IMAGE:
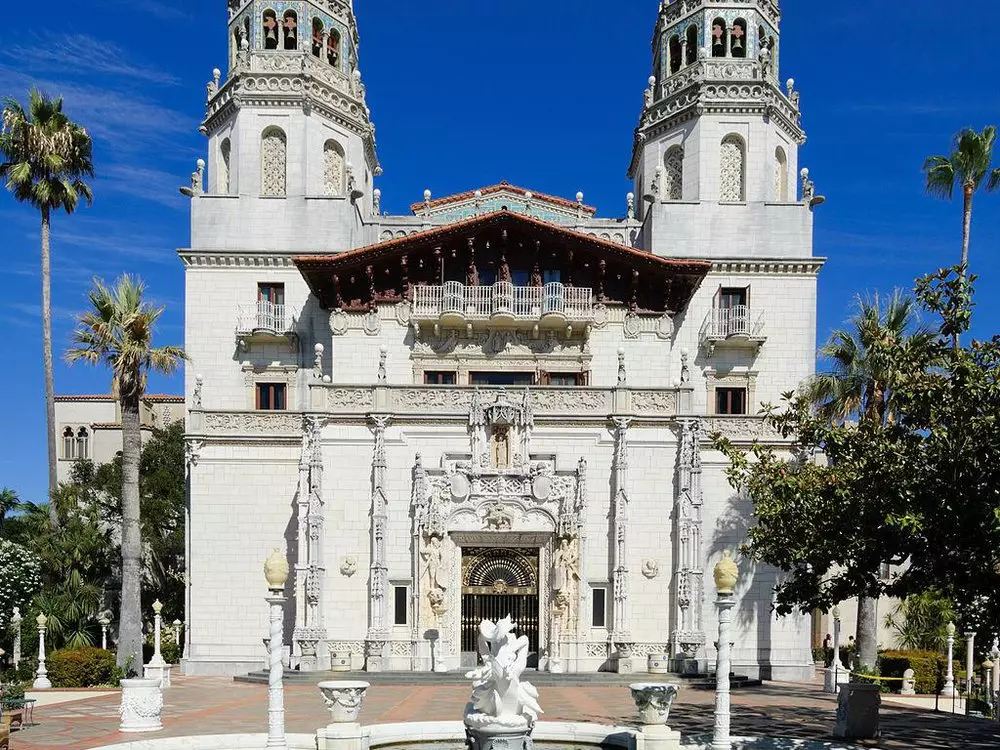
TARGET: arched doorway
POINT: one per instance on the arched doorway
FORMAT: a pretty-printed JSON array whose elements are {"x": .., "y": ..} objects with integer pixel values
[{"x": 497, "y": 582}]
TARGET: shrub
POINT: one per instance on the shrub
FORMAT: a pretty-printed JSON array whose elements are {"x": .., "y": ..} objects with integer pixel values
[
  {"x": 929, "y": 669},
  {"x": 171, "y": 652},
  {"x": 12, "y": 691},
  {"x": 79, "y": 668}
]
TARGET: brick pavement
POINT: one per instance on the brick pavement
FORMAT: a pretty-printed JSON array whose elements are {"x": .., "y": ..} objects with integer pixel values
[{"x": 219, "y": 706}]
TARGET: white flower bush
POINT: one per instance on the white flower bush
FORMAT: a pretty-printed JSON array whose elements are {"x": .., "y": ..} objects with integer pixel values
[{"x": 20, "y": 580}]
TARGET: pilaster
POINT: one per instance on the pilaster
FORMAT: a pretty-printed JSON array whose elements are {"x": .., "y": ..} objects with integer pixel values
[
  {"x": 620, "y": 629},
  {"x": 378, "y": 633},
  {"x": 688, "y": 636}
]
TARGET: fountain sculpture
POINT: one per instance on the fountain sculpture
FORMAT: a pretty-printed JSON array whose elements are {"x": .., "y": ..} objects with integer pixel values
[{"x": 503, "y": 709}]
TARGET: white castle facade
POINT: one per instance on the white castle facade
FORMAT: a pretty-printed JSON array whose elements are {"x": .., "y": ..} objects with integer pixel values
[{"x": 501, "y": 403}]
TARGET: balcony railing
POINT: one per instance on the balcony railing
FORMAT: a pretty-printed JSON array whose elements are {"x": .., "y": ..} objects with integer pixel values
[
  {"x": 263, "y": 317},
  {"x": 503, "y": 300},
  {"x": 737, "y": 324}
]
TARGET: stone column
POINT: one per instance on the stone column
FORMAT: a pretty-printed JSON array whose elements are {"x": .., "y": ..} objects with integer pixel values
[
  {"x": 15, "y": 622},
  {"x": 688, "y": 635},
  {"x": 995, "y": 655},
  {"x": 726, "y": 577},
  {"x": 41, "y": 676},
  {"x": 970, "y": 661},
  {"x": 157, "y": 669},
  {"x": 620, "y": 625},
  {"x": 378, "y": 633},
  {"x": 276, "y": 572},
  {"x": 949, "y": 681}
]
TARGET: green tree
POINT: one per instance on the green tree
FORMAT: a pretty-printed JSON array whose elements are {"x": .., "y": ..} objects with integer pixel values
[
  {"x": 968, "y": 167},
  {"x": 9, "y": 501},
  {"x": 860, "y": 385},
  {"x": 921, "y": 620},
  {"x": 118, "y": 333},
  {"x": 46, "y": 158}
]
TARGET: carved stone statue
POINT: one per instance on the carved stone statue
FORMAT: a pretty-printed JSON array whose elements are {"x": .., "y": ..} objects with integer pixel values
[
  {"x": 500, "y": 700},
  {"x": 565, "y": 565},
  {"x": 433, "y": 556}
]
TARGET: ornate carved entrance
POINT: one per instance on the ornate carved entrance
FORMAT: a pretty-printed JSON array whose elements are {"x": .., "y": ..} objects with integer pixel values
[{"x": 497, "y": 582}]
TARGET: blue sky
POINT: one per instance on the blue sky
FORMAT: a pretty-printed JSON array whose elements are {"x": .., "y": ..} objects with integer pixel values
[{"x": 542, "y": 94}]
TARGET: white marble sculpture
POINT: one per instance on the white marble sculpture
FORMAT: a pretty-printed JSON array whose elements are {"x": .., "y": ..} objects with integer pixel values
[{"x": 500, "y": 699}]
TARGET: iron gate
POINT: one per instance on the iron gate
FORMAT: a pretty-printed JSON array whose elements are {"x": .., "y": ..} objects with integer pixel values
[{"x": 497, "y": 582}]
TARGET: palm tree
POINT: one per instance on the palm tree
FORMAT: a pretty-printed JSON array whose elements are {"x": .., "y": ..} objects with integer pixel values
[
  {"x": 8, "y": 501},
  {"x": 968, "y": 167},
  {"x": 45, "y": 158},
  {"x": 118, "y": 332},
  {"x": 865, "y": 359}
]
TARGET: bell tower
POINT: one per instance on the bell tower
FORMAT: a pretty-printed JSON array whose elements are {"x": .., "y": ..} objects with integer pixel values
[
  {"x": 291, "y": 141},
  {"x": 717, "y": 128}
]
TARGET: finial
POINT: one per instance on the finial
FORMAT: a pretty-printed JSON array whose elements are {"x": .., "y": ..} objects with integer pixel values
[
  {"x": 276, "y": 570},
  {"x": 579, "y": 197},
  {"x": 630, "y": 205},
  {"x": 376, "y": 202},
  {"x": 427, "y": 195},
  {"x": 157, "y": 607},
  {"x": 726, "y": 574},
  {"x": 951, "y": 629}
]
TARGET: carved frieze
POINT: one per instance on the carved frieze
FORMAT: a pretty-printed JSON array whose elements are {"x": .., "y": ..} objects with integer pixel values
[
  {"x": 497, "y": 342},
  {"x": 655, "y": 402},
  {"x": 739, "y": 428},
  {"x": 252, "y": 423},
  {"x": 350, "y": 399}
]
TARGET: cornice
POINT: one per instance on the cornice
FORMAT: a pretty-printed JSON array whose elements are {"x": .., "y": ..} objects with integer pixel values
[
  {"x": 235, "y": 259},
  {"x": 768, "y": 266}
]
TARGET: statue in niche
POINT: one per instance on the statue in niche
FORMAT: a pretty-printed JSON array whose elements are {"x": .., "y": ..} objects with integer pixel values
[
  {"x": 270, "y": 30},
  {"x": 565, "y": 565},
  {"x": 501, "y": 447},
  {"x": 433, "y": 555},
  {"x": 291, "y": 25}
]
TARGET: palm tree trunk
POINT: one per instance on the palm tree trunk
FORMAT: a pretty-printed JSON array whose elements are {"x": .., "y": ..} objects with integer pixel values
[
  {"x": 50, "y": 387},
  {"x": 969, "y": 190},
  {"x": 866, "y": 646},
  {"x": 130, "y": 616}
]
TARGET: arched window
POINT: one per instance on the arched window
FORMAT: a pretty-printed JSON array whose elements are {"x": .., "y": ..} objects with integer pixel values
[
  {"x": 273, "y": 157},
  {"x": 692, "y": 45},
  {"x": 333, "y": 48},
  {"x": 225, "y": 153},
  {"x": 333, "y": 168},
  {"x": 290, "y": 26},
  {"x": 83, "y": 443},
  {"x": 317, "y": 38},
  {"x": 732, "y": 172},
  {"x": 270, "y": 21},
  {"x": 738, "y": 37},
  {"x": 780, "y": 174},
  {"x": 69, "y": 444},
  {"x": 720, "y": 38},
  {"x": 673, "y": 174},
  {"x": 675, "y": 54}
]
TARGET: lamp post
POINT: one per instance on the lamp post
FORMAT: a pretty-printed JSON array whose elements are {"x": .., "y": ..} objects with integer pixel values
[
  {"x": 726, "y": 576},
  {"x": 104, "y": 620},
  {"x": 837, "y": 674},
  {"x": 276, "y": 572},
  {"x": 157, "y": 660},
  {"x": 970, "y": 661},
  {"x": 177, "y": 632},
  {"x": 949, "y": 680},
  {"x": 41, "y": 676}
]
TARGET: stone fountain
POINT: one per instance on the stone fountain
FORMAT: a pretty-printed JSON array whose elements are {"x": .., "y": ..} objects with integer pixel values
[{"x": 503, "y": 709}]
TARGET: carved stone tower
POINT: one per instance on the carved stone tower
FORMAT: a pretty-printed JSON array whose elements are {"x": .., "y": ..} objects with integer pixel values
[
  {"x": 716, "y": 127},
  {"x": 291, "y": 142}
]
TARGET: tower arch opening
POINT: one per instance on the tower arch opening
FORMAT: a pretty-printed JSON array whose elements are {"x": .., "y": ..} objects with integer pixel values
[
  {"x": 780, "y": 174},
  {"x": 720, "y": 38},
  {"x": 273, "y": 162},
  {"x": 269, "y": 23},
  {"x": 675, "y": 54},
  {"x": 692, "y": 44},
  {"x": 317, "y": 38},
  {"x": 738, "y": 38},
  {"x": 225, "y": 157},
  {"x": 290, "y": 27}
]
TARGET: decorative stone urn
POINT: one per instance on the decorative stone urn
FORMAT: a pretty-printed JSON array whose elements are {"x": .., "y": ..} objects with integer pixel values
[
  {"x": 141, "y": 706},
  {"x": 726, "y": 574},
  {"x": 344, "y": 699},
  {"x": 653, "y": 701},
  {"x": 659, "y": 664},
  {"x": 340, "y": 661}
]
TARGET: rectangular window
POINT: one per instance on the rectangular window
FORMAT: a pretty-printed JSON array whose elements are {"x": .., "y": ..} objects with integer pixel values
[
  {"x": 599, "y": 600},
  {"x": 732, "y": 297},
  {"x": 440, "y": 378},
  {"x": 565, "y": 379},
  {"x": 502, "y": 378},
  {"x": 401, "y": 605},
  {"x": 271, "y": 396},
  {"x": 273, "y": 293},
  {"x": 731, "y": 401}
]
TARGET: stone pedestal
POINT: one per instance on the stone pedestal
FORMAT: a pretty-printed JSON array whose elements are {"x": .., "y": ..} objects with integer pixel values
[
  {"x": 160, "y": 672},
  {"x": 835, "y": 677},
  {"x": 141, "y": 706},
  {"x": 659, "y": 664},
  {"x": 340, "y": 737},
  {"x": 658, "y": 738},
  {"x": 498, "y": 738},
  {"x": 857, "y": 712}
]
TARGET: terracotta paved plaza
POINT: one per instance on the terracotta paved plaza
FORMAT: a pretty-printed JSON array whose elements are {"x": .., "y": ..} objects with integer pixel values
[{"x": 220, "y": 706}]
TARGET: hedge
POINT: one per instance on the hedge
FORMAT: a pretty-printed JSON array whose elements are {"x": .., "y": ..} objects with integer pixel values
[
  {"x": 929, "y": 669},
  {"x": 83, "y": 667}
]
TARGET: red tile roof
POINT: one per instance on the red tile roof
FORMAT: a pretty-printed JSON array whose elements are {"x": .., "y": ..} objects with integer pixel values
[{"x": 156, "y": 398}]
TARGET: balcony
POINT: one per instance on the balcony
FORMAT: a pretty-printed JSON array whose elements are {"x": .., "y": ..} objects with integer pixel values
[
  {"x": 264, "y": 320},
  {"x": 553, "y": 305},
  {"x": 733, "y": 327}
]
